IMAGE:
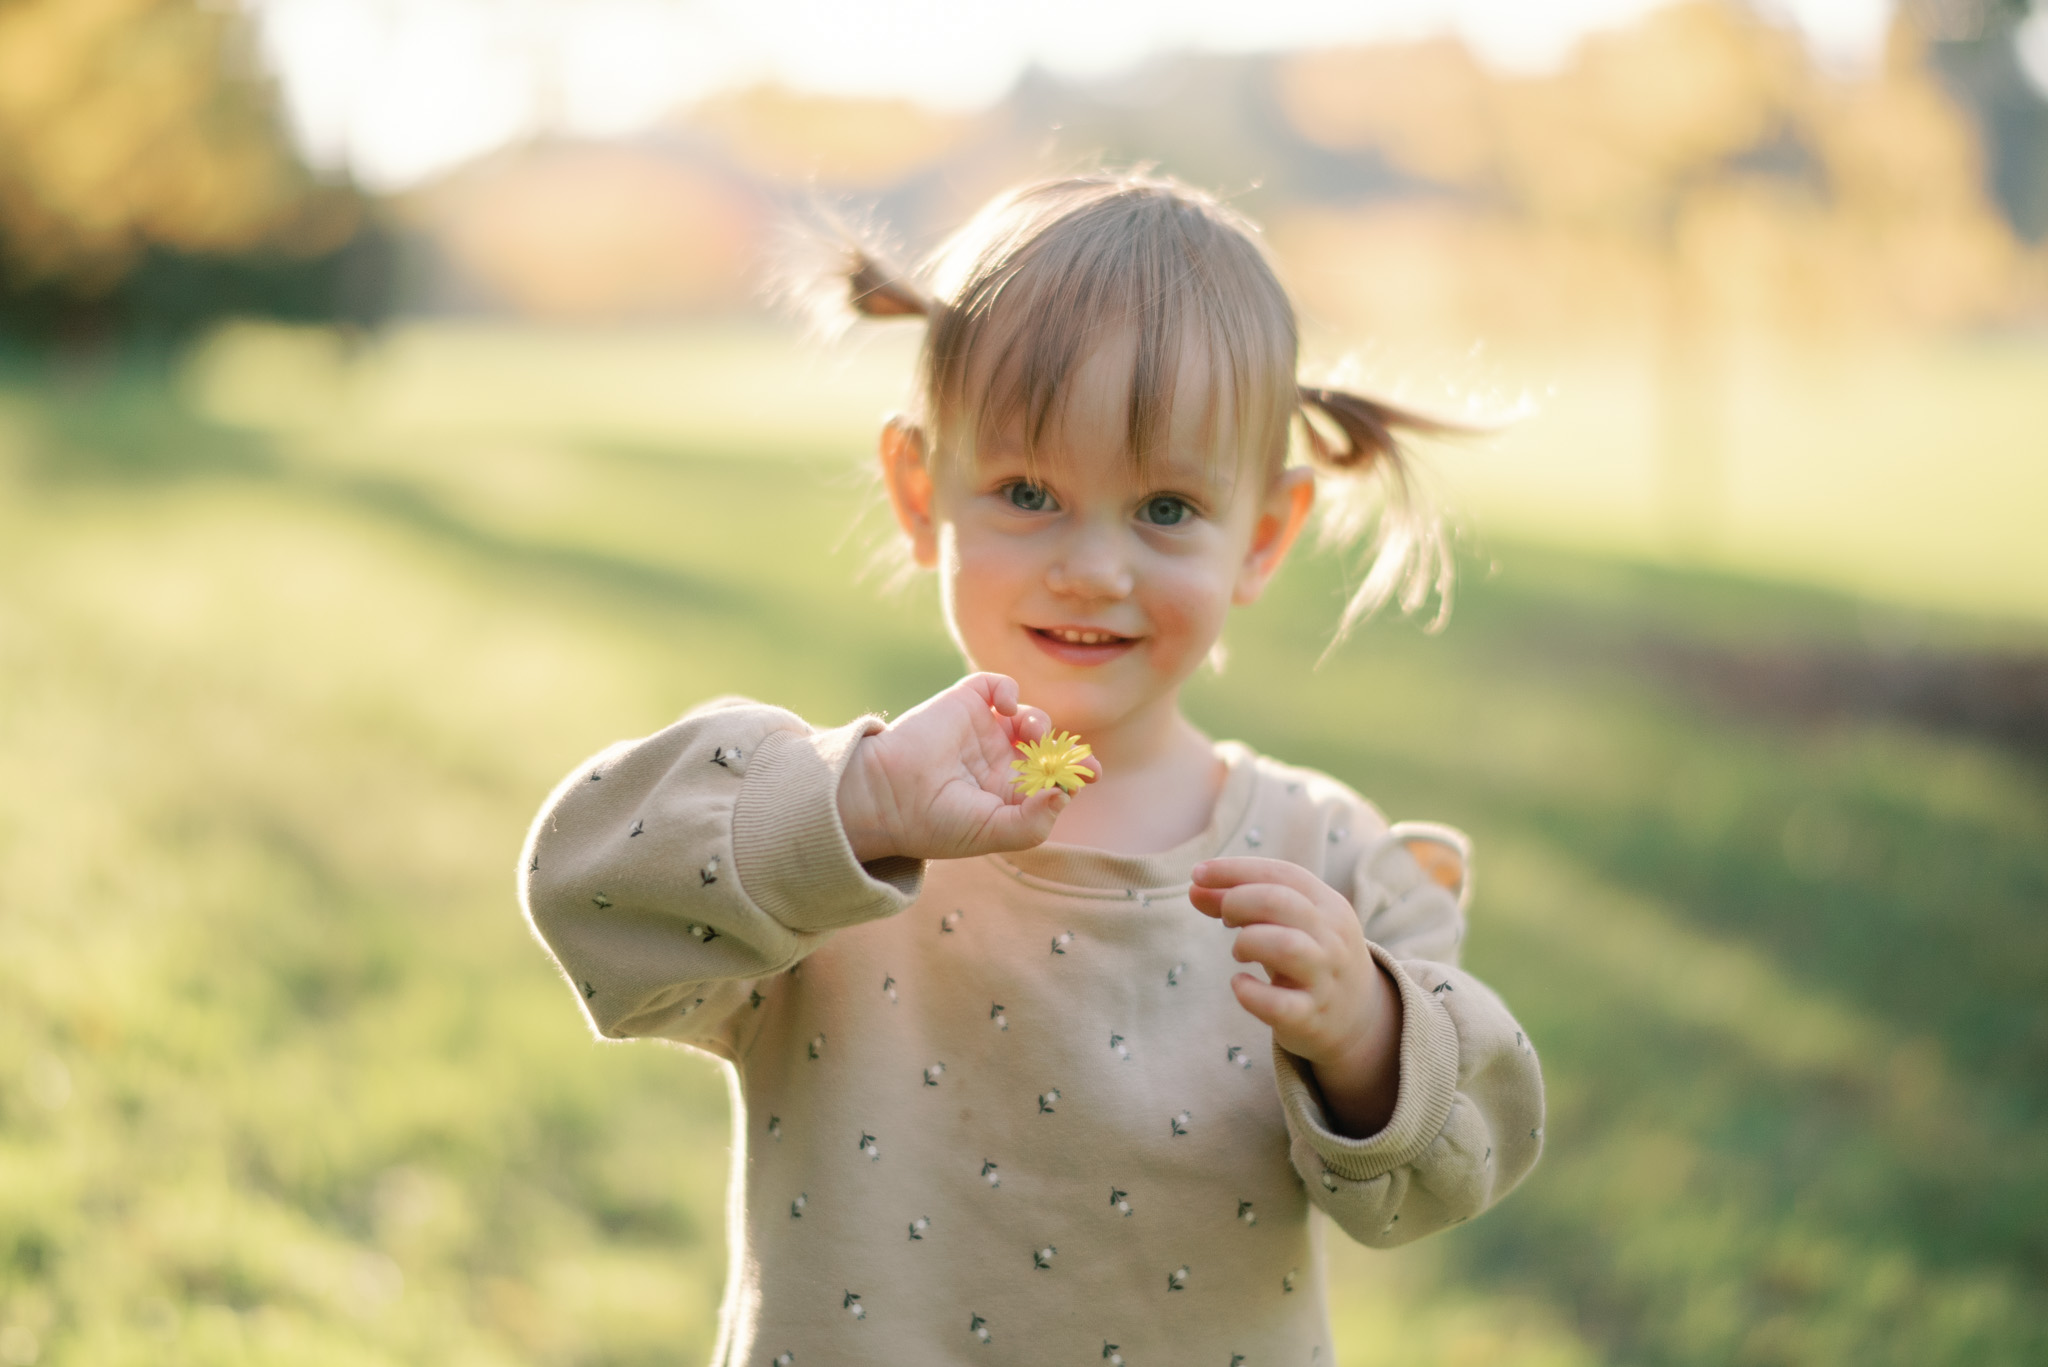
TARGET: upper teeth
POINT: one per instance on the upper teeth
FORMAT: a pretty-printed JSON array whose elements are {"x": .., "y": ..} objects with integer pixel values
[{"x": 1081, "y": 638}]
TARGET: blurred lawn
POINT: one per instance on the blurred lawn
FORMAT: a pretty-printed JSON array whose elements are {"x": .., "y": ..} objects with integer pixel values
[{"x": 289, "y": 655}]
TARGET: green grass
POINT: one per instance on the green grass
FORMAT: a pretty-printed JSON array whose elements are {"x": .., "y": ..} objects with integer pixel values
[{"x": 284, "y": 1080}]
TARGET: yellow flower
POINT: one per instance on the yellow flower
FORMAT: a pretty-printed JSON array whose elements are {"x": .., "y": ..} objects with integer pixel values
[{"x": 1054, "y": 761}]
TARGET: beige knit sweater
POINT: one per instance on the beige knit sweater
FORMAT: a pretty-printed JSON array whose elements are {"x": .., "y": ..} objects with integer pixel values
[{"x": 1007, "y": 1110}]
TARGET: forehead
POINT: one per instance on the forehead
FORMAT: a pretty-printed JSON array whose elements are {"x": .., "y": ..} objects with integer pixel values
[
  {"x": 1089, "y": 424},
  {"x": 1081, "y": 315}
]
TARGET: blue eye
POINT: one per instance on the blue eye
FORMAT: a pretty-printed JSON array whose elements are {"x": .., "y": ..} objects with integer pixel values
[
  {"x": 1028, "y": 497},
  {"x": 1165, "y": 511}
]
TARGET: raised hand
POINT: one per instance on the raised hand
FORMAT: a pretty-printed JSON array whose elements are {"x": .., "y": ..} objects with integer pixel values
[
  {"x": 936, "y": 784},
  {"x": 1325, "y": 998}
]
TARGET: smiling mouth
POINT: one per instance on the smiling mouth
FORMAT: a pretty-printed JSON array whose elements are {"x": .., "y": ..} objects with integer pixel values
[
  {"x": 1080, "y": 636},
  {"x": 1083, "y": 646}
]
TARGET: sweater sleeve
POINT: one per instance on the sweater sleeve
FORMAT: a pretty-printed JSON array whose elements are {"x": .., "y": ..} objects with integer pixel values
[
  {"x": 1468, "y": 1122},
  {"x": 667, "y": 874}
]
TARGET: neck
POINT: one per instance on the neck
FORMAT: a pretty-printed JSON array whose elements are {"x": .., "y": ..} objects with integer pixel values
[
  {"x": 1144, "y": 739},
  {"x": 1158, "y": 789}
]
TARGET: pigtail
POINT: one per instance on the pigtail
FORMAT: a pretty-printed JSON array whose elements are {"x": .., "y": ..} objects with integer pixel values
[
  {"x": 1368, "y": 427},
  {"x": 874, "y": 290},
  {"x": 829, "y": 271},
  {"x": 1409, "y": 555}
]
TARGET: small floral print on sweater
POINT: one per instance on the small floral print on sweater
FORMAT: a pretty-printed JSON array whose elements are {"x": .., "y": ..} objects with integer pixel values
[{"x": 944, "y": 1098}]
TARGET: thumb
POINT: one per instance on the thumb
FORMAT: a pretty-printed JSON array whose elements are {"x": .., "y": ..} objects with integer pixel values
[{"x": 1027, "y": 823}]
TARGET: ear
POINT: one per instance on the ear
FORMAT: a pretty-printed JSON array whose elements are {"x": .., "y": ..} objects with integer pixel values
[
  {"x": 910, "y": 487},
  {"x": 1282, "y": 513}
]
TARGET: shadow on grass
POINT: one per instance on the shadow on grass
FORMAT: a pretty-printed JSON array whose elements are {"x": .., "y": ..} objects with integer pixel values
[
  {"x": 134, "y": 433},
  {"x": 130, "y": 431}
]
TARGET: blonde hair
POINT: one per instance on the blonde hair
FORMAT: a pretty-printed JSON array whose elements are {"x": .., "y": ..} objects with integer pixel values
[{"x": 1016, "y": 301}]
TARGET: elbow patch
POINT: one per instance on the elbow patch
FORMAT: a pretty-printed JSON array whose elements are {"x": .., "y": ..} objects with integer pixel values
[{"x": 1443, "y": 853}]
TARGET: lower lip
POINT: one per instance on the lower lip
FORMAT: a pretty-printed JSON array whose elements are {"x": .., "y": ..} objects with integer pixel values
[{"x": 1070, "y": 653}]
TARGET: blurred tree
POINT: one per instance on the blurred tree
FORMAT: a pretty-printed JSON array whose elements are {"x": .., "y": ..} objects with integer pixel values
[
  {"x": 1713, "y": 171},
  {"x": 145, "y": 182},
  {"x": 1973, "y": 47}
]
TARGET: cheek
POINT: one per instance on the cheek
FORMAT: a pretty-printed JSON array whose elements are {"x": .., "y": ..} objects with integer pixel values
[
  {"x": 1187, "y": 604},
  {"x": 984, "y": 565},
  {"x": 982, "y": 577}
]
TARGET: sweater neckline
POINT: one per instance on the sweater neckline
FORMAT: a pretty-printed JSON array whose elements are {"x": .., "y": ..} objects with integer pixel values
[{"x": 1083, "y": 870}]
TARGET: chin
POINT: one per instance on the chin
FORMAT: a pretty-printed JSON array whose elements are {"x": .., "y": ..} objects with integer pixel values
[
  {"x": 1077, "y": 700},
  {"x": 1080, "y": 706}
]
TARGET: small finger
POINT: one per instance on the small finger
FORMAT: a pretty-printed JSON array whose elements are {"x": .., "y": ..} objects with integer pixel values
[
  {"x": 1029, "y": 724},
  {"x": 1282, "y": 1008},
  {"x": 1022, "y": 825},
  {"x": 1230, "y": 872},
  {"x": 1284, "y": 952},
  {"x": 1253, "y": 902}
]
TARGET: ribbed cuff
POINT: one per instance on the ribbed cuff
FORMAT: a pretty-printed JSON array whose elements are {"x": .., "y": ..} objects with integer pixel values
[
  {"x": 1429, "y": 1082},
  {"x": 789, "y": 848}
]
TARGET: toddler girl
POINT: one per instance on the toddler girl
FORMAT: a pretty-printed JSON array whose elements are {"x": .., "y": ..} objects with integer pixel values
[{"x": 1002, "y": 1093}]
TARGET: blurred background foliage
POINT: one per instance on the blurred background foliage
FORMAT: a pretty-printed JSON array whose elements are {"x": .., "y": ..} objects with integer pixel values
[
  {"x": 336, "y": 524},
  {"x": 1699, "y": 161},
  {"x": 146, "y": 186}
]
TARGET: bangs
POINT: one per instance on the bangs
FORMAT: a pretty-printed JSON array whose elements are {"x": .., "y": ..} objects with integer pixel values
[{"x": 1046, "y": 278}]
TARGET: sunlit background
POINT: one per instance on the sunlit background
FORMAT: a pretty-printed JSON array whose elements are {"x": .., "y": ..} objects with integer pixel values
[{"x": 390, "y": 416}]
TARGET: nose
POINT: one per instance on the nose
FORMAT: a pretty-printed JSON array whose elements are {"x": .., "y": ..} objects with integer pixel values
[{"x": 1091, "y": 567}]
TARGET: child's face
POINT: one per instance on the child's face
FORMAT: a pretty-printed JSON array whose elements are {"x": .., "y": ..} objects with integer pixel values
[{"x": 1098, "y": 587}]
